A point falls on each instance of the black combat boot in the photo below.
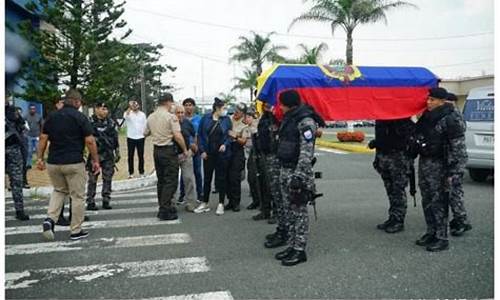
(253, 205)
(284, 254)
(105, 205)
(296, 257)
(277, 241)
(458, 227)
(261, 216)
(438, 245)
(92, 206)
(395, 226)
(21, 216)
(272, 235)
(168, 214)
(384, 225)
(426, 240)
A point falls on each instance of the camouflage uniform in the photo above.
(14, 167)
(456, 189)
(393, 162)
(107, 143)
(300, 168)
(442, 159)
(14, 161)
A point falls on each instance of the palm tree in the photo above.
(228, 98)
(312, 55)
(348, 14)
(257, 50)
(248, 81)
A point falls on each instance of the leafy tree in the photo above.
(348, 14)
(228, 98)
(248, 81)
(312, 55)
(257, 50)
(83, 49)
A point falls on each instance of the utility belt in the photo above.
(164, 146)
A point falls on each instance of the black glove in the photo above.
(372, 144)
(117, 156)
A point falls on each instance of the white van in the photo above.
(479, 115)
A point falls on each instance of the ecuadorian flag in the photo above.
(350, 92)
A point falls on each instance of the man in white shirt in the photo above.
(135, 121)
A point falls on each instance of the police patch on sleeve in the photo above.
(308, 135)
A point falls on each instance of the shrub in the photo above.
(356, 136)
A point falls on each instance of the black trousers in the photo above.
(214, 162)
(235, 168)
(133, 144)
(167, 171)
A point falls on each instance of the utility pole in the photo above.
(202, 81)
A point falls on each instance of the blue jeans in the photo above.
(197, 176)
(32, 147)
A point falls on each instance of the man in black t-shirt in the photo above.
(68, 131)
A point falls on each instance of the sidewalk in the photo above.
(41, 186)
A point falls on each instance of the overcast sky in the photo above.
(453, 38)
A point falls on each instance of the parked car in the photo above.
(368, 123)
(479, 137)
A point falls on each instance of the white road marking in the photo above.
(98, 199)
(44, 205)
(226, 295)
(137, 269)
(121, 242)
(102, 212)
(332, 150)
(94, 225)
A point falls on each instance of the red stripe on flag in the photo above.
(363, 103)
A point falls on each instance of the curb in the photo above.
(345, 147)
(118, 186)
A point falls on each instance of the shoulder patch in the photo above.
(308, 135)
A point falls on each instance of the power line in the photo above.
(308, 36)
(185, 51)
(462, 64)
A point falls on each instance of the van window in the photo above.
(479, 110)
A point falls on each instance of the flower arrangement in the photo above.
(356, 136)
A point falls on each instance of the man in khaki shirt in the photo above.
(165, 132)
(237, 162)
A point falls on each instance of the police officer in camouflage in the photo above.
(268, 130)
(106, 137)
(295, 152)
(14, 162)
(392, 162)
(459, 224)
(440, 142)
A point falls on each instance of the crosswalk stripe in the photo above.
(44, 205)
(94, 225)
(104, 212)
(113, 197)
(102, 243)
(137, 269)
(223, 295)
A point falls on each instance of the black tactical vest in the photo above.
(393, 135)
(289, 136)
(431, 140)
(265, 141)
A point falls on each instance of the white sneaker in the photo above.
(130, 176)
(220, 209)
(203, 207)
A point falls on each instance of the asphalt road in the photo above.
(347, 256)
